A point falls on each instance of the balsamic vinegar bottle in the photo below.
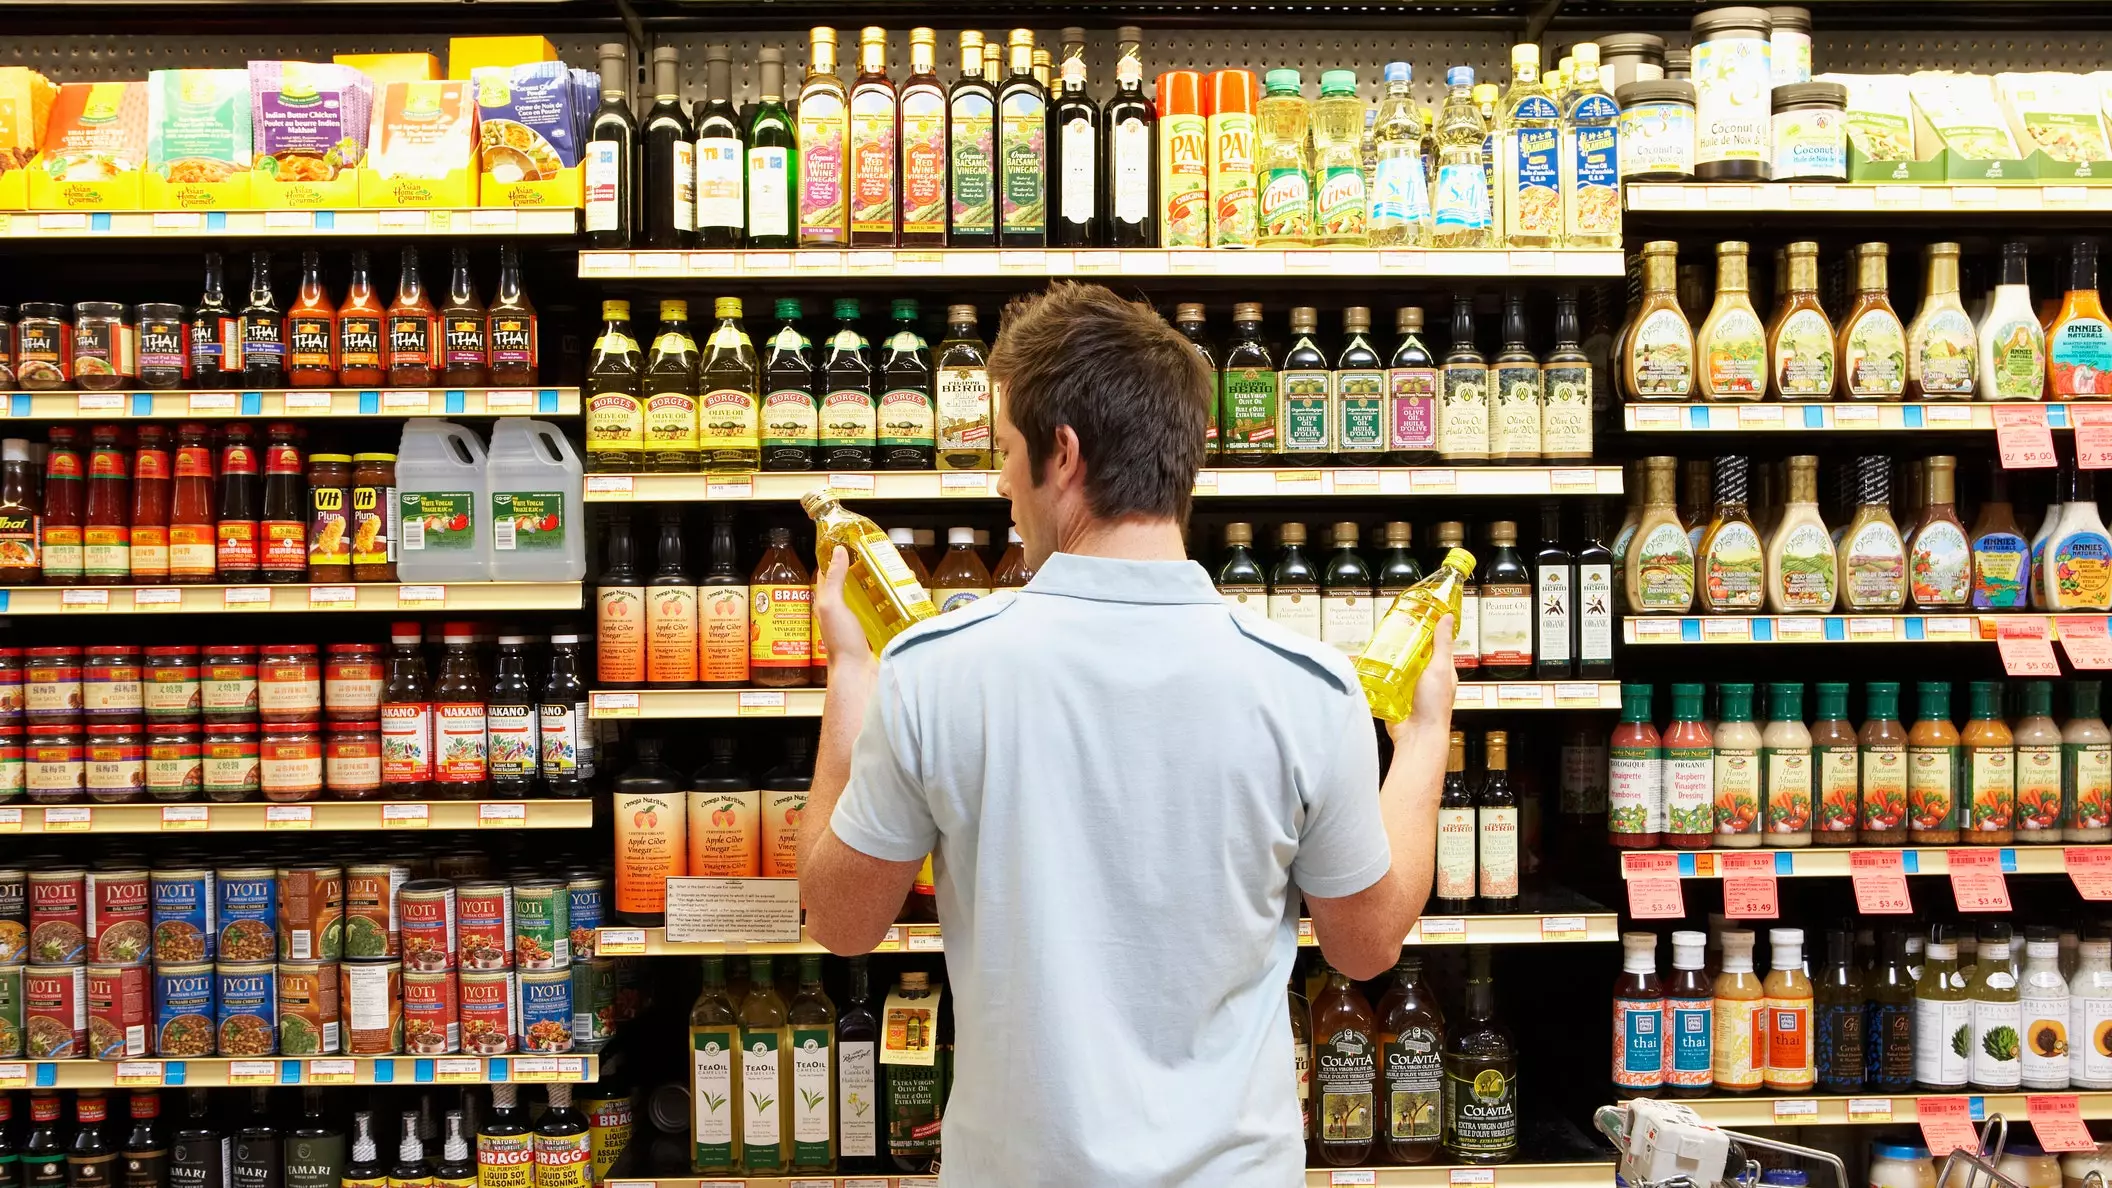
(1130, 153)
(670, 164)
(1074, 155)
(1554, 601)
(612, 157)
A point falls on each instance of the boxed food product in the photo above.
(198, 139)
(1880, 115)
(312, 121)
(25, 111)
(2058, 114)
(1957, 113)
(94, 148)
(421, 149)
(467, 55)
(388, 68)
(530, 125)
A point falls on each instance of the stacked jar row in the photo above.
(300, 960)
(116, 724)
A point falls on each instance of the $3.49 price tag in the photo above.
(1749, 886)
(1880, 883)
(1977, 882)
(1653, 886)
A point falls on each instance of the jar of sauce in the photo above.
(170, 688)
(11, 768)
(329, 518)
(54, 767)
(116, 762)
(352, 762)
(7, 346)
(175, 762)
(11, 709)
(51, 686)
(352, 680)
(228, 683)
(43, 346)
(291, 761)
(230, 762)
(164, 346)
(289, 684)
(376, 526)
(110, 685)
(104, 355)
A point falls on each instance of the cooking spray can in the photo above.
(1184, 160)
(1233, 199)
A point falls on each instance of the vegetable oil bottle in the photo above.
(1401, 647)
(1286, 213)
(882, 592)
(1339, 211)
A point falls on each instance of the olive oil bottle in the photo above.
(1345, 1044)
(1303, 380)
(906, 432)
(615, 429)
(1481, 1076)
(791, 429)
(1247, 397)
(730, 409)
(1357, 408)
(671, 435)
(965, 439)
(848, 412)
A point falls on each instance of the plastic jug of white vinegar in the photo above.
(537, 531)
(445, 504)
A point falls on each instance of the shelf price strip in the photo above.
(1653, 886)
(2022, 437)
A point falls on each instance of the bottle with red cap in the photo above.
(1184, 161)
(406, 718)
(461, 744)
(1233, 198)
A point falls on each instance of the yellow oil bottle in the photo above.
(882, 592)
(1400, 649)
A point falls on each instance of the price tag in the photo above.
(851, 482)
(288, 816)
(1869, 1109)
(1800, 627)
(68, 819)
(1976, 880)
(331, 597)
(2022, 437)
(870, 262)
(1796, 1107)
(1522, 696)
(1955, 414)
(1880, 882)
(1764, 416)
(157, 596)
(614, 705)
(14, 1076)
(2093, 435)
(1345, 1176)
(185, 817)
(496, 220)
(759, 263)
(1574, 479)
(308, 400)
(402, 218)
(330, 1072)
(1298, 482)
(1432, 480)
(2090, 869)
(414, 815)
(2057, 1120)
(2026, 652)
(509, 400)
(178, 220)
(760, 703)
(2083, 638)
(612, 485)
(1569, 694)
(620, 942)
(1749, 891)
(1563, 928)
(536, 1068)
(213, 402)
(502, 814)
(1946, 1124)
(1861, 415)
(1948, 627)
(10, 820)
(729, 488)
(62, 222)
(302, 219)
(1727, 629)
(1468, 697)
(964, 484)
(252, 1072)
(923, 938)
(1655, 897)
(94, 402)
(1361, 480)
(406, 402)
(140, 1073)
(458, 1070)
(79, 599)
(421, 595)
(245, 596)
(1445, 927)
(1871, 628)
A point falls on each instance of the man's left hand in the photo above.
(850, 657)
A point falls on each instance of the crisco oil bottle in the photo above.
(1400, 649)
(882, 592)
(1285, 173)
(1339, 211)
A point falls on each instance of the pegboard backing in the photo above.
(107, 58)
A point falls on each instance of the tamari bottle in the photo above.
(1732, 345)
(1657, 356)
(1939, 557)
(1731, 567)
(1942, 356)
(1787, 767)
(1990, 770)
(1481, 1069)
(144, 1158)
(1496, 829)
(1345, 1071)
(1873, 559)
(1741, 998)
(1872, 345)
(1638, 1019)
(1933, 776)
(1463, 411)
(1660, 563)
(1800, 338)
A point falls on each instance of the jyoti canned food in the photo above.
(249, 918)
(484, 1004)
(311, 913)
(541, 924)
(248, 1000)
(430, 1026)
(373, 1004)
(58, 918)
(184, 1007)
(14, 915)
(183, 915)
(484, 925)
(546, 1010)
(117, 1011)
(425, 912)
(11, 1011)
(117, 928)
(55, 1011)
(308, 1008)
(371, 929)
(587, 895)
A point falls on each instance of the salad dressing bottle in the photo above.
(2042, 995)
(1789, 999)
(1883, 747)
(1689, 1020)
(1873, 559)
(2079, 338)
(1635, 775)
(2049, 523)
(1638, 1019)
(1940, 558)
(1872, 347)
(2012, 343)
(2038, 746)
(2090, 1010)
(1942, 1016)
(1737, 771)
(2078, 569)
(1786, 767)
(1940, 347)
(1731, 347)
(1802, 564)
(1997, 1062)
(1732, 567)
(1659, 569)
(1840, 1041)
(1932, 768)
(2001, 555)
(1689, 773)
(1990, 770)
(1740, 999)
(1657, 355)
(2086, 768)
(1835, 767)
(1800, 340)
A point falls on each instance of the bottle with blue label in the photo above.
(2078, 569)
(1529, 156)
(1400, 191)
(1459, 200)
(1690, 1023)
(2001, 554)
(1591, 157)
(1638, 1019)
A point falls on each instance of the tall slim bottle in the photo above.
(729, 409)
(1463, 414)
(1346, 1073)
(813, 1057)
(670, 159)
(720, 167)
(1400, 194)
(874, 149)
(1529, 167)
(1515, 398)
(773, 190)
(1591, 187)
(905, 435)
(765, 1073)
(1129, 149)
(824, 147)
(611, 156)
(671, 394)
(971, 158)
(1357, 397)
(1022, 149)
(791, 428)
(1411, 393)
(858, 1073)
(923, 145)
(1075, 164)
(1303, 379)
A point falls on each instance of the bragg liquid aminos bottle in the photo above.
(235, 530)
(505, 1148)
(284, 527)
(359, 329)
(107, 535)
(406, 718)
(193, 551)
(461, 766)
(150, 506)
(63, 508)
(562, 1150)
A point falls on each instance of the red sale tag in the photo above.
(2083, 638)
(1946, 1125)
(1655, 897)
(1880, 883)
(2026, 651)
(1749, 886)
(1977, 882)
(2022, 437)
(2093, 436)
(2057, 1120)
(2090, 867)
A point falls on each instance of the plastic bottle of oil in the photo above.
(883, 593)
(1400, 648)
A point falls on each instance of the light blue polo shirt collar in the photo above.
(1107, 579)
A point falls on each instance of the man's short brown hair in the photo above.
(1135, 391)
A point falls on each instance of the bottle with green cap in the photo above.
(1883, 746)
(1340, 212)
(791, 428)
(1635, 760)
(1401, 647)
(765, 1073)
(907, 429)
(1786, 767)
(1990, 770)
(848, 411)
(813, 1020)
(2086, 768)
(729, 411)
(1932, 768)
(1690, 773)
(1834, 769)
(1738, 768)
(2038, 742)
(1286, 203)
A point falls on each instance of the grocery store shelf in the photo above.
(320, 816)
(1128, 265)
(1834, 1111)
(293, 403)
(1227, 483)
(1821, 199)
(806, 703)
(324, 1070)
(1537, 1175)
(1792, 417)
(351, 596)
(1817, 629)
(289, 224)
(1834, 861)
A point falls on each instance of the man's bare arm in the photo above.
(850, 897)
(1361, 934)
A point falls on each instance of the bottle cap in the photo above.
(1188, 311)
(1290, 534)
(1247, 311)
(789, 307)
(902, 537)
(1687, 949)
(1459, 76)
(1338, 82)
(846, 308)
(1012, 536)
(726, 307)
(960, 536)
(1639, 952)
(406, 632)
(902, 308)
(957, 315)
(1281, 81)
(1399, 72)
(1345, 533)
(14, 449)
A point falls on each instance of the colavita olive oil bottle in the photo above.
(1481, 1076)
(1347, 1070)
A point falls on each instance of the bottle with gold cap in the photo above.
(1407, 636)
(881, 591)
(963, 394)
(1240, 580)
(1529, 156)
(923, 148)
(730, 422)
(671, 394)
(971, 165)
(824, 207)
(1044, 69)
(873, 159)
(1022, 149)
(615, 404)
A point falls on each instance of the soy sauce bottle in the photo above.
(91, 1162)
(145, 1159)
(216, 333)
(255, 1162)
(198, 1156)
(263, 329)
(315, 1150)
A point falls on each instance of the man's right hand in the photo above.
(1434, 691)
(849, 654)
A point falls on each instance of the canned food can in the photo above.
(308, 1008)
(372, 996)
(371, 928)
(430, 1024)
(55, 1011)
(425, 914)
(587, 894)
(11, 1010)
(593, 1002)
(541, 924)
(184, 1008)
(484, 1004)
(484, 925)
(14, 915)
(248, 1007)
(546, 1010)
(249, 914)
(311, 912)
(117, 1011)
(118, 915)
(184, 914)
(58, 915)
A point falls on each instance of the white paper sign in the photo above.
(702, 910)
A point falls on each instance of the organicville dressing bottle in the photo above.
(1731, 347)
(2038, 745)
(1802, 564)
(1836, 767)
(1990, 770)
(1741, 1000)
(1738, 768)
(1932, 768)
(1872, 347)
(1689, 771)
(1635, 791)
(1873, 558)
(2086, 768)
(1786, 755)
(1731, 565)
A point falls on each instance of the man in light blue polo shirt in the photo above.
(1126, 788)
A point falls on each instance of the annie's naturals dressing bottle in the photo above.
(1873, 560)
(1941, 353)
(1731, 565)
(1801, 562)
(2012, 345)
(1659, 573)
(1657, 359)
(2078, 568)
(1800, 340)
(1873, 345)
(1731, 348)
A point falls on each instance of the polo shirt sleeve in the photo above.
(883, 812)
(1342, 846)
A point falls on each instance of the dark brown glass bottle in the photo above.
(236, 527)
(145, 1162)
(1345, 1071)
(263, 329)
(510, 326)
(465, 359)
(1411, 1069)
(1481, 1072)
(91, 1159)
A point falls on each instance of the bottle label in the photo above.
(2081, 571)
(604, 186)
(1516, 431)
(1663, 357)
(1737, 782)
(459, 740)
(2038, 788)
(1463, 421)
(1932, 786)
(1877, 567)
(1400, 196)
(1537, 204)
(564, 1161)
(1789, 779)
(781, 629)
(410, 340)
(712, 1088)
(964, 408)
(1789, 1042)
(2017, 358)
(974, 153)
(1565, 414)
(1732, 113)
(528, 521)
(1638, 1042)
(1740, 1057)
(1635, 792)
(1689, 1035)
(1498, 857)
(718, 181)
(1346, 621)
(263, 344)
(511, 740)
(1506, 625)
(1884, 787)
(2091, 1017)
(1993, 801)
(1414, 1084)
(1839, 779)
(106, 550)
(1481, 1112)
(441, 521)
(1806, 570)
(1942, 565)
(671, 635)
(406, 742)
(237, 546)
(1595, 614)
(923, 162)
(1803, 356)
(1412, 395)
(2086, 785)
(849, 418)
(1690, 790)
(1302, 404)
(1943, 358)
(2001, 564)
(1734, 568)
(1594, 206)
(1248, 411)
(824, 206)
(1079, 190)
(1296, 610)
(1876, 362)
(308, 341)
(769, 192)
(1455, 853)
(1347, 1070)
(1129, 170)
(1998, 1047)
(727, 420)
(760, 1110)
(670, 417)
(1184, 183)
(1234, 203)
(813, 1077)
(873, 157)
(2044, 1037)
(1736, 352)
(1339, 207)
(722, 618)
(1462, 199)
(905, 418)
(1285, 207)
(1666, 566)
(557, 739)
(2082, 358)
(372, 516)
(857, 1086)
(790, 419)
(1554, 608)
(1022, 127)
(1466, 633)
(463, 341)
